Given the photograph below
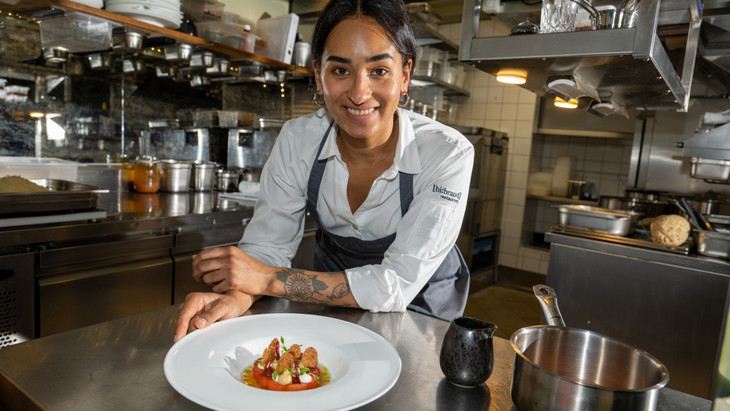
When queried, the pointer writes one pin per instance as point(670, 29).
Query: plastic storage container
point(203, 10)
point(428, 62)
point(77, 33)
point(279, 33)
point(561, 174)
point(32, 167)
point(229, 34)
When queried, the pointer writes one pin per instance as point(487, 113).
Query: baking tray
point(713, 243)
point(613, 222)
point(643, 241)
point(63, 196)
point(718, 219)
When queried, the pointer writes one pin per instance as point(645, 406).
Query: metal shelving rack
point(628, 65)
point(38, 7)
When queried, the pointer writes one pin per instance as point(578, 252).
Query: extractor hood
point(628, 67)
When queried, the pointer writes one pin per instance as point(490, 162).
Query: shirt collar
point(406, 152)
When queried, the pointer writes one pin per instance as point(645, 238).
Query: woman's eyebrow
point(344, 60)
point(338, 59)
point(379, 57)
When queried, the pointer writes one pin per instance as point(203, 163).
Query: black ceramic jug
point(467, 353)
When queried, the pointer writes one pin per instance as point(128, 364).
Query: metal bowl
point(128, 40)
point(179, 52)
point(53, 55)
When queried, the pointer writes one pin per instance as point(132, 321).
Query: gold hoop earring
point(404, 102)
point(316, 99)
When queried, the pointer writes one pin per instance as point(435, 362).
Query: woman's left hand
point(200, 310)
point(229, 268)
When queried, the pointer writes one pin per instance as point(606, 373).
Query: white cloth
point(441, 160)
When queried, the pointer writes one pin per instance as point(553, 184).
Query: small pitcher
point(467, 353)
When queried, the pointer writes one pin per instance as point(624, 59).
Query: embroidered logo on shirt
point(447, 194)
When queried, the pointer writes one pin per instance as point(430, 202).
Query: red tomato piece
point(266, 382)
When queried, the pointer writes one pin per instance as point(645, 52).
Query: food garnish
point(286, 369)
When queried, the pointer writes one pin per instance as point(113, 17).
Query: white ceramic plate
point(161, 18)
point(206, 366)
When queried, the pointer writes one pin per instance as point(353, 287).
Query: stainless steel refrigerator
point(479, 238)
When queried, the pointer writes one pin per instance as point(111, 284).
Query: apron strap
point(315, 177)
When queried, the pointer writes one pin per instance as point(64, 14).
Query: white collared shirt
point(441, 160)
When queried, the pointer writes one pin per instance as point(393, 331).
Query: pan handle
point(549, 303)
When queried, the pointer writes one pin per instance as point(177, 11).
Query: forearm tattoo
point(301, 286)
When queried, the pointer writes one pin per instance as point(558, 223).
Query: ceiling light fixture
point(559, 102)
point(512, 76)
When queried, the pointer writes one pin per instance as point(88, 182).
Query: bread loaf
point(671, 229)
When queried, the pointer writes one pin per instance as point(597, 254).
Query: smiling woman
point(386, 186)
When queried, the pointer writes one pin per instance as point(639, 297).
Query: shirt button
point(355, 227)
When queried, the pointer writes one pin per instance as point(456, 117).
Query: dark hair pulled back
point(389, 14)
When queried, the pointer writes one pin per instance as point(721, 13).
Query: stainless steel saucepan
point(560, 368)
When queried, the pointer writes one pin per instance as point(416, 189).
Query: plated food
point(207, 365)
point(286, 369)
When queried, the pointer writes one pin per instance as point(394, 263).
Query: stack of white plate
point(162, 13)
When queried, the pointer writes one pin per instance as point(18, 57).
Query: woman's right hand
point(203, 309)
point(229, 268)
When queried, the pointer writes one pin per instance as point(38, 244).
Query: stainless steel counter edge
point(119, 365)
point(695, 261)
point(121, 223)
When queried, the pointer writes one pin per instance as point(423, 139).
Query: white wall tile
point(509, 113)
point(511, 94)
point(493, 112)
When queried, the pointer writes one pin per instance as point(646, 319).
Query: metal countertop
point(118, 365)
point(693, 260)
point(132, 214)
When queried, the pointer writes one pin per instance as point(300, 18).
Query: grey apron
point(444, 296)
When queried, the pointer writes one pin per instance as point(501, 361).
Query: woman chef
point(387, 187)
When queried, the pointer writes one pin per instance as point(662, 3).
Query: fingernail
point(200, 322)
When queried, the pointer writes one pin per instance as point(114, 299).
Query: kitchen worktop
point(131, 214)
point(118, 364)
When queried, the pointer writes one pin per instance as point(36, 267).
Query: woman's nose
point(360, 90)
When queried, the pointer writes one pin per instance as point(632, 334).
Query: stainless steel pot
point(175, 176)
point(203, 177)
point(559, 368)
point(227, 180)
point(252, 174)
point(642, 208)
point(611, 17)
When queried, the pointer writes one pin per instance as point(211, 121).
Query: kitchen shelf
point(629, 64)
point(424, 21)
point(150, 30)
point(563, 200)
point(583, 133)
point(451, 90)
